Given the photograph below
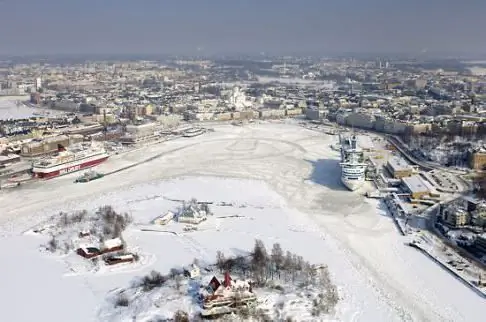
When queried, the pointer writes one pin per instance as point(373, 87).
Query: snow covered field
point(289, 178)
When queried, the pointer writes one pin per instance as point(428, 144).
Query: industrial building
point(136, 133)
point(399, 168)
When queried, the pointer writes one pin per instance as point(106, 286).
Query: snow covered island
point(271, 287)
point(88, 241)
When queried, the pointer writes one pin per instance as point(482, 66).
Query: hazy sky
point(247, 26)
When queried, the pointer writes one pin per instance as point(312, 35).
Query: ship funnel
point(60, 148)
point(353, 142)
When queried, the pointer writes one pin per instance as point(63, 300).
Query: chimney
point(227, 279)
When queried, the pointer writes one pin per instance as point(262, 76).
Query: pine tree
point(277, 257)
point(259, 260)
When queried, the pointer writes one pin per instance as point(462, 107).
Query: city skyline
point(212, 27)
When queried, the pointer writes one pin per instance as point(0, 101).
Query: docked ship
point(353, 165)
point(76, 158)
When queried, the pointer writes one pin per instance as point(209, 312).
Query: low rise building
point(478, 216)
point(136, 133)
point(360, 120)
point(245, 115)
point(455, 217)
point(399, 168)
point(224, 116)
point(293, 111)
point(477, 160)
point(272, 113)
point(480, 243)
point(314, 114)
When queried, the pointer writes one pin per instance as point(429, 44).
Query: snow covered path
point(384, 279)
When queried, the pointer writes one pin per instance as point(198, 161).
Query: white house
point(192, 271)
point(192, 214)
point(164, 219)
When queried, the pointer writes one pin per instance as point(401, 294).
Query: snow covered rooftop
point(415, 184)
point(398, 164)
point(112, 243)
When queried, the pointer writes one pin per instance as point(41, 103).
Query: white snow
point(288, 179)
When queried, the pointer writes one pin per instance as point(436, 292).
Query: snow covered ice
point(10, 110)
point(283, 182)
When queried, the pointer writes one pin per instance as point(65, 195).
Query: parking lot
point(443, 180)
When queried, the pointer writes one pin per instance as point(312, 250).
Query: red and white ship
point(76, 158)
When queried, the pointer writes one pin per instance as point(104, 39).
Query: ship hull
point(68, 168)
point(352, 184)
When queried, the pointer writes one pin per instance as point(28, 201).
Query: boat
point(89, 176)
point(78, 157)
point(8, 185)
point(353, 165)
point(19, 178)
point(193, 132)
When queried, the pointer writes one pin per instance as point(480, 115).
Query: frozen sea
point(290, 176)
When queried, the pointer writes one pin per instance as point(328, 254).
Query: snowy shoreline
point(442, 265)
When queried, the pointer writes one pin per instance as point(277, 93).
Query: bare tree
point(229, 264)
point(181, 316)
point(64, 219)
point(174, 272)
point(324, 277)
point(178, 282)
point(220, 260)
point(122, 300)
point(53, 244)
point(155, 279)
point(288, 262)
point(241, 263)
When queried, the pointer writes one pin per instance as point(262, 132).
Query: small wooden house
point(88, 251)
point(112, 245)
point(192, 215)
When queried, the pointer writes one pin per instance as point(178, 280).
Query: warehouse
point(416, 186)
point(48, 145)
